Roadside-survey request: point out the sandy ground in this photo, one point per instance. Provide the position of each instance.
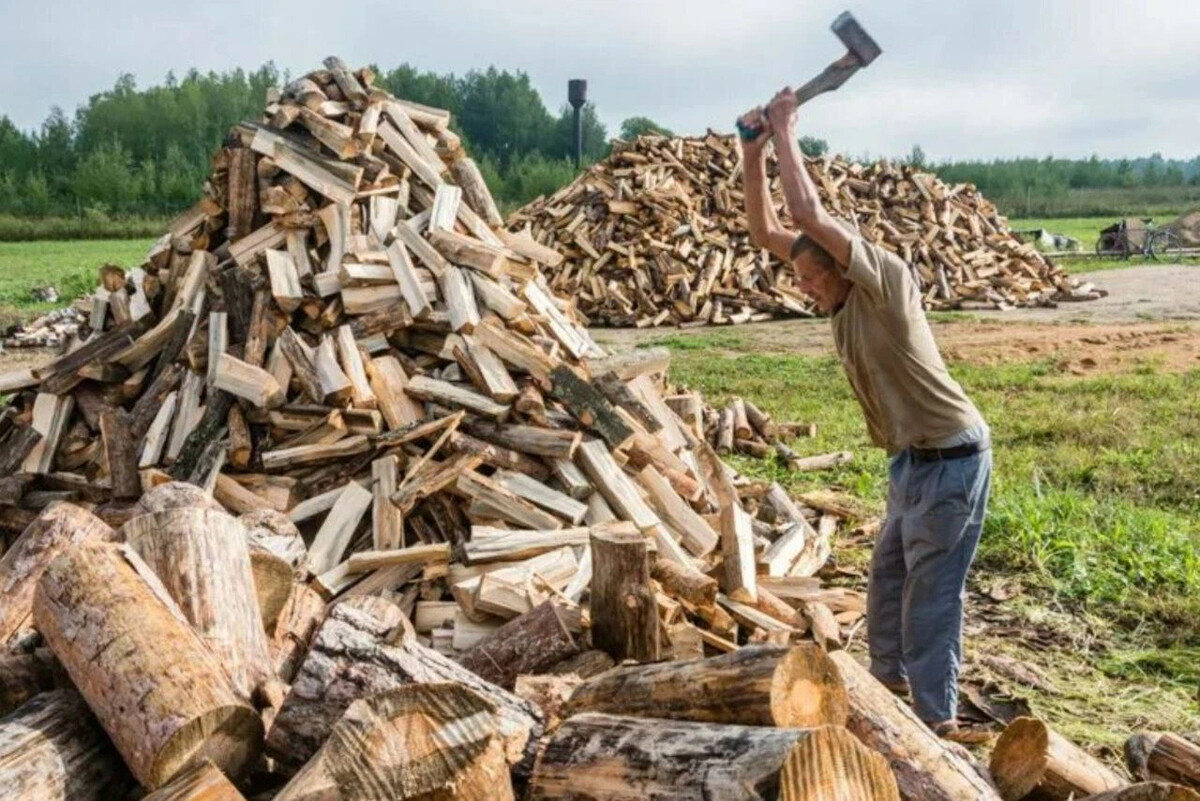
(1152, 315)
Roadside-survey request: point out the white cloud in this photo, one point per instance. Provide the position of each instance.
(963, 79)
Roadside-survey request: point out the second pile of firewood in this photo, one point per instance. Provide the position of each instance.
(656, 235)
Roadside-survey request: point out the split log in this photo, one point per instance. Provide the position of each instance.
(550, 694)
(351, 657)
(162, 696)
(59, 527)
(422, 741)
(680, 582)
(1031, 756)
(737, 548)
(202, 558)
(204, 781)
(52, 748)
(765, 685)
(623, 608)
(1165, 756)
(527, 644)
(594, 756)
(298, 621)
(926, 768)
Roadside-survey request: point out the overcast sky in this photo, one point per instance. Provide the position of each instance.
(965, 79)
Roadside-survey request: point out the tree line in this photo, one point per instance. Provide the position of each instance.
(132, 151)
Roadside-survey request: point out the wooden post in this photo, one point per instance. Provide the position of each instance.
(1165, 756)
(1030, 755)
(624, 611)
(422, 741)
(163, 697)
(595, 756)
(925, 767)
(52, 747)
(59, 527)
(763, 685)
(527, 644)
(202, 559)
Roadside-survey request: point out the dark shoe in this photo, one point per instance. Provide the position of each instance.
(966, 734)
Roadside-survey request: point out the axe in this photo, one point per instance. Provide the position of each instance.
(861, 50)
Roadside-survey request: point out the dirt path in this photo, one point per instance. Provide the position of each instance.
(1152, 316)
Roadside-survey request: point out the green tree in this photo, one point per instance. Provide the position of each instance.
(105, 178)
(560, 142)
(813, 147)
(634, 127)
(916, 158)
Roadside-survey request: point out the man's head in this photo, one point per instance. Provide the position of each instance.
(819, 275)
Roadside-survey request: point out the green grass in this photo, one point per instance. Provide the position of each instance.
(71, 266)
(1096, 498)
(90, 226)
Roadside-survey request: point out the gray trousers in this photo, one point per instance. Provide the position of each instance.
(919, 569)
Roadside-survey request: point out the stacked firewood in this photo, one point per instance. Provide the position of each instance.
(338, 502)
(656, 235)
(50, 330)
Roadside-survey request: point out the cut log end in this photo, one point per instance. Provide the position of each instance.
(807, 689)
(230, 736)
(830, 763)
(1020, 758)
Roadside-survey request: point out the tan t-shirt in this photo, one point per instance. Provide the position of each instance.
(893, 364)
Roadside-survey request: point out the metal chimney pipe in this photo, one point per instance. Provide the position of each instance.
(577, 97)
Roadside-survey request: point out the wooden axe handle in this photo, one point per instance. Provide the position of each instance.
(830, 78)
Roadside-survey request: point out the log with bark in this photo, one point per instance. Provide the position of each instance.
(527, 644)
(51, 747)
(421, 741)
(595, 756)
(1163, 756)
(763, 685)
(163, 697)
(1031, 758)
(202, 558)
(925, 768)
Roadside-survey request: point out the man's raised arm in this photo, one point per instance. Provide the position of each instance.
(765, 229)
(803, 201)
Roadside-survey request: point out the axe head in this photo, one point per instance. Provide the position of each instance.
(857, 42)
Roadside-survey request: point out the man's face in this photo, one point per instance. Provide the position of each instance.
(819, 281)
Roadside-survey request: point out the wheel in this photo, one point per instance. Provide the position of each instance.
(1164, 244)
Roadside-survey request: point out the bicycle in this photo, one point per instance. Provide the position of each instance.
(1115, 241)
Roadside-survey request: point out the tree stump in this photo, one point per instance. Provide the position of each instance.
(1030, 756)
(596, 757)
(623, 607)
(201, 557)
(926, 769)
(56, 528)
(422, 741)
(159, 692)
(767, 685)
(528, 644)
(51, 747)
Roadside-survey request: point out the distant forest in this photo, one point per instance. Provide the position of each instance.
(145, 151)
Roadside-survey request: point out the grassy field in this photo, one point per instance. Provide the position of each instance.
(71, 266)
(1095, 513)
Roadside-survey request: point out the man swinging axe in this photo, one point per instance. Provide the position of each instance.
(941, 462)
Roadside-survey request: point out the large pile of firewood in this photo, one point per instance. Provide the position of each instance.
(338, 502)
(656, 235)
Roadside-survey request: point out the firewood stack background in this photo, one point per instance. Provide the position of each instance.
(338, 501)
(656, 235)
